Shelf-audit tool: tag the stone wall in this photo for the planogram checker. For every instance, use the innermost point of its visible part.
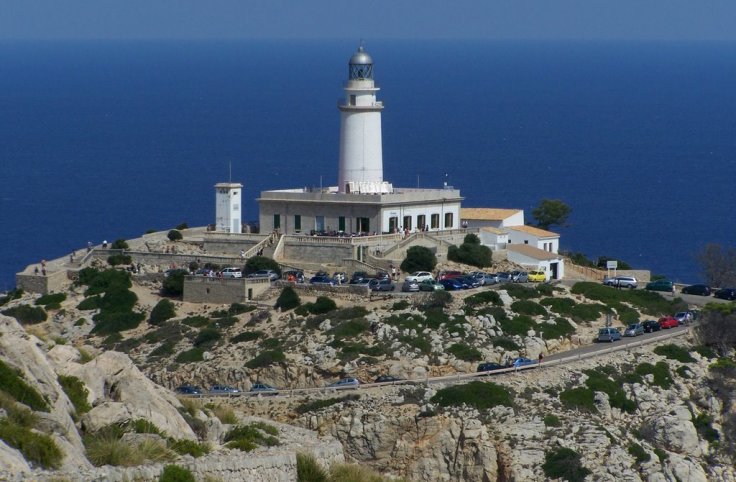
(168, 259)
(318, 252)
(346, 291)
(53, 282)
(201, 289)
(231, 245)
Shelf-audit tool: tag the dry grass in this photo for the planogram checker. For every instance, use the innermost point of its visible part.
(109, 450)
(357, 473)
(192, 405)
(225, 414)
(39, 331)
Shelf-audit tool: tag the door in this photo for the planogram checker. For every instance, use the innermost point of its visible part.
(553, 269)
(341, 224)
(319, 223)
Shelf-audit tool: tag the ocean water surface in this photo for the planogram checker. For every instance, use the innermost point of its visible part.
(104, 140)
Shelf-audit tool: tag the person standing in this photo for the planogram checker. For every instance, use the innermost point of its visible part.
(541, 357)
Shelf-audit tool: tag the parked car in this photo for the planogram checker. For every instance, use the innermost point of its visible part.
(322, 280)
(609, 334)
(265, 273)
(358, 276)
(224, 390)
(634, 329)
(451, 284)
(726, 294)
(537, 276)
(621, 282)
(345, 383)
(504, 277)
(449, 274)
(387, 379)
(409, 286)
(383, 275)
(469, 282)
(231, 273)
(188, 390)
(699, 289)
(489, 367)
(340, 276)
(381, 285)
(293, 276)
(263, 388)
(432, 285)
(668, 322)
(650, 326)
(683, 317)
(419, 276)
(490, 278)
(661, 285)
(522, 362)
(519, 277)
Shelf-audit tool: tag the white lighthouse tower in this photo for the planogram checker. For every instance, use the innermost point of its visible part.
(227, 207)
(361, 151)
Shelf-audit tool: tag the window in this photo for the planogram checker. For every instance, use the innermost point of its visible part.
(407, 222)
(421, 221)
(448, 221)
(276, 221)
(435, 220)
(393, 224)
(352, 99)
(341, 223)
(297, 222)
(363, 225)
(319, 224)
(526, 241)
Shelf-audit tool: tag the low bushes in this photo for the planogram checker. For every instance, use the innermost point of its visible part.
(551, 420)
(603, 379)
(675, 352)
(27, 314)
(480, 395)
(77, 393)
(174, 235)
(520, 292)
(207, 337)
(111, 323)
(349, 329)
(528, 307)
(196, 321)
(322, 305)
(518, 325)
(266, 358)
(564, 463)
(464, 352)
(648, 302)
(248, 437)
(322, 403)
(190, 356)
(246, 336)
(51, 301)
(560, 328)
(472, 253)
(189, 447)
(163, 311)
(309, 470)
(483, 298)
(660, 372)
(12, 384)
(578, 399)
(176, 473)
(504, 342)
(173, 284)
(37, 448)
(288, 299)
(638, 452)
(119, 259)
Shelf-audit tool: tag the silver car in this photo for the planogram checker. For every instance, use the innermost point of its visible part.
(410, 286)
(621, 282)
(634, 329)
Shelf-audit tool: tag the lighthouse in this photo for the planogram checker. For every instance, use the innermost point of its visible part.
(361, 151)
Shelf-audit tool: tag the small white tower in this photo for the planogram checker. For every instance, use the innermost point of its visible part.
(361, 151)
(227, 207)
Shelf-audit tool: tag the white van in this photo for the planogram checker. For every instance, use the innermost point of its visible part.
(231, 273)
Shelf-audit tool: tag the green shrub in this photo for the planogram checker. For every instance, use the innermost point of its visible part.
(80, 322)
(434, 317)
(12, 295)
(119, 244)
(164, 349)
(483, 298)
(649, 302)
(349, 329)
(17, 413)
(661, 372)
(638, 452)
(322, 403)
(257, 263)
(322, 305)
(308, 470)
(564, 463)
(662, 455)
(472, 254)
(400, 305)
(288, 299)
(588, 312)
(684, 372)
(505, 343)
(559, 329)
(674, 352)
(163, 311)
(418, 342)
(174, 235)
(173, 284)
(77, 393)
(119, 259)
(561, 306)
(246, 336)
(248, 437)
(578, 399)
(240, 308)
(437, 300)
(520, 292)
(518, 325)
(12, 384)
(551, 420)
(91, 303)
(109, 323)
(270, 343)
(176, 473)
(480, 395)
(100, 281)
(27, 314)
(266, 358)
(497, 312)
(196, 321)
(418, 258)
(51, 299)
(703, 424)
(705, 351)
(117, 300)
(528, 307)
(39, 449)
(189, 447)
(600, 381)
(465, 352)
(544, 289)
(207, 337)
(191, 356)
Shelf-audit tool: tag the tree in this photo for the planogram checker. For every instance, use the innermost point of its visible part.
(471, 239)
(257, 263)
(472, 254)
(174, 235)
(551, 212)
(717, 326)
(163, 310)
(174, 283)
(718, 265)
(288, 299)
(418, 258)
(120, 244)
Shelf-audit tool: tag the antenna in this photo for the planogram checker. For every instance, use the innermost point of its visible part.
(417, 181)
(231, 171)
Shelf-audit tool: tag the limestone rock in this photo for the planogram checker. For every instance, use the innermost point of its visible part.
(676, 431)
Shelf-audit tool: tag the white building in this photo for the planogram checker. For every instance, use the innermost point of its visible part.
(494, 238)
(491, 217)
(539, 238)
(362, 201)
(535, 259)
(228, 215)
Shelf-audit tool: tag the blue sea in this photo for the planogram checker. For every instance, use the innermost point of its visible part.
(104, 140)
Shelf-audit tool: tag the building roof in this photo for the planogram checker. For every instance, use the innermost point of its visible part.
(540, 233)
(487, 214)
(491, 229)
(532, 252)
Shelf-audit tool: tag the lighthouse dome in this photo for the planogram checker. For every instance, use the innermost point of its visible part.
(360, 66)
(361, 57)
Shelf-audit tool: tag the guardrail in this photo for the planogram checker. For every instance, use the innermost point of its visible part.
(458, 377)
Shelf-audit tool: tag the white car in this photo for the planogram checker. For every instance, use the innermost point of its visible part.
(231, 273)
(419, 276)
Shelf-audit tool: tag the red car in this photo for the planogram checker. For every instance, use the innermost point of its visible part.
(668, 322)
(449, 274)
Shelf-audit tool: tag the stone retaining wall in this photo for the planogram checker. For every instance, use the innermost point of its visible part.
(317, 252)
(201, 289)
(53, 282)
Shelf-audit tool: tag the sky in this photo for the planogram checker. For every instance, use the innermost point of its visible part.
(654, 20)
